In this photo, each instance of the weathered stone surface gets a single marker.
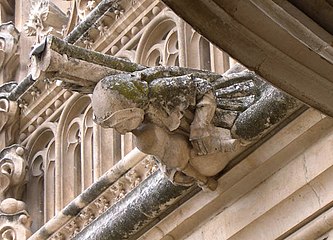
(146, 32)
(176, 103)
(175, 108)
(153, 197)
(267, 37)
(91, 19)
(268, 111)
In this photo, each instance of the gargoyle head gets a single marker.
(13, 168)
(119, 102)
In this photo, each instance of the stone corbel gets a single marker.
(15, 221)
(9, 37)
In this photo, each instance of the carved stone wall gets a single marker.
(67, 151)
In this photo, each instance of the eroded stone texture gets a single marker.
(189, 113)
(269, 110)
(141, 206)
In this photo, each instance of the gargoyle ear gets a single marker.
(4, 105)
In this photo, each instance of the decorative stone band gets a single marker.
(89, 195)
(111, 196)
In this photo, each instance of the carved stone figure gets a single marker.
(178, 114)
(9, 37)
(45, 18)
(194, 122)
(15, 221)
(13, 168)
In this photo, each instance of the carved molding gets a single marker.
(49, 95)
(131, 34)
(45, 18)
(9, 37)
(159, 43)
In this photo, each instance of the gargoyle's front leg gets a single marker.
(202, 127)
(204, 136)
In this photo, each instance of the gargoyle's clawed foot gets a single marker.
(180, 178)
(210, 185)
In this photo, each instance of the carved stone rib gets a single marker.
(91, 19)
(62, 47)
(20, 88)
(141, 206)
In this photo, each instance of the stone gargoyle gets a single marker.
(177, 115)
(194, 122)
(13, 169)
